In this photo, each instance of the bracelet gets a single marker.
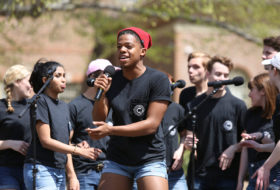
(74, 149)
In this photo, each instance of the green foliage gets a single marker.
(16, 8)
(246, 15)
(106, 29)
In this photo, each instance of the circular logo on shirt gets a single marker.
(173, 131)
(228, 125)
(139, 110)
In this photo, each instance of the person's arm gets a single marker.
(101, 106)
(265, 139)
(264, 171)
(72, 180)
(148, 126)
(267, 144)
(100, 109)
(242, 168)
(189, 140)
(228, 155)
(257, 146)
(16, 145)
(43, 131)
(178, 157)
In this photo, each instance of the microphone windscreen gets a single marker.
(181, 83)
(238, 81)
(110, 70)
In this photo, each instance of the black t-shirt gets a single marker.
(81, 118)
(276, 120)
(13, 128)
(254, 122)
(172, 116)
(220, 122)
(187, 95)
(55, 113)
(129, 101)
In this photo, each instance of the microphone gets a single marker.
(178, 84)
(90, 82)
(237, 81)
(108, 71)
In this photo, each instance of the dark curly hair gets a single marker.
(273, 42)
(223, 60)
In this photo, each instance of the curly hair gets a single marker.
(223, 60)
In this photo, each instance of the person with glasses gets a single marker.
(271, 46)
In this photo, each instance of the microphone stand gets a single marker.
(32, 111)
(192, 114)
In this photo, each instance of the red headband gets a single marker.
(144, 36)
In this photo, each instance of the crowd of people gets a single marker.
(132, 135)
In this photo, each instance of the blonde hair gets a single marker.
(14, 73)
(205, 57)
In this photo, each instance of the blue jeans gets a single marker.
(136, 172)
(89, 180)
(11, 178)
(177, 180)
(214, 183)
(47, 178)
(274, 175)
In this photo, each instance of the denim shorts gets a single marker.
(177, 180)
(136, 172)
(11, 178)
(47, 178)
(89, 180)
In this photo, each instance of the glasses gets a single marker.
(268, 67)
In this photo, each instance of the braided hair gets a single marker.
(13, 74)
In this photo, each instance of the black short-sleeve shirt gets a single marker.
(13, 128)
(276, 120)
(187, 95)
(254, 122)
(55, 113)
(173, 114)
(81, 118)
(129, 101)
(220, 122)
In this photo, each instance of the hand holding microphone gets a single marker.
(104, 82)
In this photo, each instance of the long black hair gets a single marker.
(41, 69)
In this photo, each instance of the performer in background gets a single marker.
(197, 62)
(15, 135)
(88, 171)
(138, 96)
(218, 128)
(52, 131)
(258, 125)
(263, 173)
(174, 146)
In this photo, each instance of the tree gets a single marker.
(256, 18)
